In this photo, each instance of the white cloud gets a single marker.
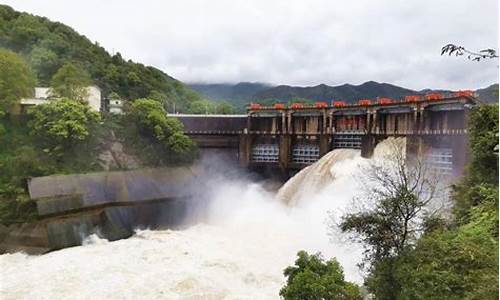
(292, 42)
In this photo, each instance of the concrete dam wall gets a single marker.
(109, 204)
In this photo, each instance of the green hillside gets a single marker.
(48, 45)
(489, 94)
(347, 92)
(239, 94)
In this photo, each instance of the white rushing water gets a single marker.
(240, 252)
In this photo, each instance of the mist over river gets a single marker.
(238, 252)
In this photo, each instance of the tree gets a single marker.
(153, 122)
(457, 263)
(313, 278)
(26, 31)
(399, 190)
(399, 187)
(224, 108)
(164, 99)
(70, 82)
(471, 55)
(158, 96)
(482, 172)
(62, 124)
(152, 119)
(16, 80)
(200, 107)
(114, 96)
(181, 146)
(45, 62)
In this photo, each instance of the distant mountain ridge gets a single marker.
(489, 94)
(245, 92)
(346, 92)
(238, 94)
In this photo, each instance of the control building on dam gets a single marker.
(293, 137)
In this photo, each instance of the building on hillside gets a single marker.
(115, 106)
(42, 95)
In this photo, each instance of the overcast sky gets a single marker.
(291, 42)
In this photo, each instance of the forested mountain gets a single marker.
(489, 94)
(235, 93)
(48, 45)
(242, 93)
(345, 92)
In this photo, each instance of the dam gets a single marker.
(290, 138)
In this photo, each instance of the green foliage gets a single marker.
(201, 107)
(166, 135)
(385, 229)
(209, 107)
(313, 278)
(381, 280)
(386, 233)
(483, 133)
(114, 96)
(224, 108)
(45, 62)
(70, 82)
(182, 147)
(21, 157)
(16, 80)
(18, 160)
(239, 95)
(15, 205)
(49, 45)
(26, 31)
(482, 172)
(62, 124)
(454, 264)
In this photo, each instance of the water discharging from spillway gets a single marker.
(238, 252)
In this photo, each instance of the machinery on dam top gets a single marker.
(366, 103)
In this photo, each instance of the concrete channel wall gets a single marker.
(109, 204)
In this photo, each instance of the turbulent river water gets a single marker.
(239, 252)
